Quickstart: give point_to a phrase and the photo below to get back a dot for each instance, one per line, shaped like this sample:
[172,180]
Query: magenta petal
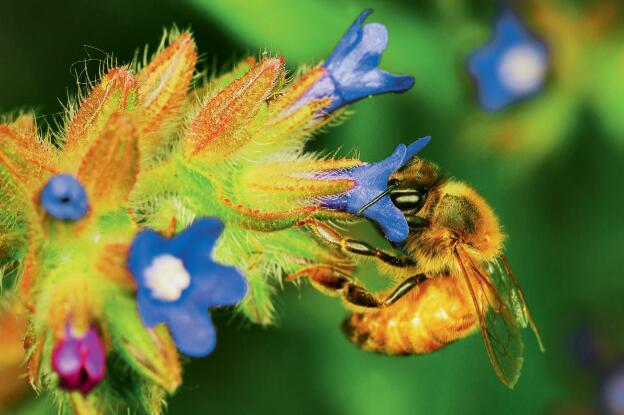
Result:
[80,362]
[66,362]
[94,360]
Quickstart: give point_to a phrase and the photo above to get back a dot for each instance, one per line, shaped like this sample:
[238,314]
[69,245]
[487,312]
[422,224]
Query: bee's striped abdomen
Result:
[437,312]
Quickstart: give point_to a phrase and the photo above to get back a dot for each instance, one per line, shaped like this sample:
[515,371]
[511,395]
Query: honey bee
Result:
[451,278]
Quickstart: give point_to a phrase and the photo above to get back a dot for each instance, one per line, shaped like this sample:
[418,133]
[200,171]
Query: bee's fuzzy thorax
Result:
[480,229]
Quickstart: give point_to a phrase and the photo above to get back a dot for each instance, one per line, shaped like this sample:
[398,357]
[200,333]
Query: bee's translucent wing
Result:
[499,324]
[509,290]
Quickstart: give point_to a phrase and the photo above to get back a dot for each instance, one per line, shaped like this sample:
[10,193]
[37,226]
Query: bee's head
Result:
[409,189]
[442,212]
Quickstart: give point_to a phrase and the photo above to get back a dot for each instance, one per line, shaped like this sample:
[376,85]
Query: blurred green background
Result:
[552,167]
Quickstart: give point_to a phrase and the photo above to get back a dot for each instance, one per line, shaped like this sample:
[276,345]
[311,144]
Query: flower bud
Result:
[80,361]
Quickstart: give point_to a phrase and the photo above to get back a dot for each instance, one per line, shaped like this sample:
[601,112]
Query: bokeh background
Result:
[552,166]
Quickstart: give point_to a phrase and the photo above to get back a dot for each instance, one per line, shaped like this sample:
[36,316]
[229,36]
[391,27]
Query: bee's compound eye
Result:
[407,199]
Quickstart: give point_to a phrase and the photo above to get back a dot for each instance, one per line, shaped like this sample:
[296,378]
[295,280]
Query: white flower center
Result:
[166,277]
[522,69]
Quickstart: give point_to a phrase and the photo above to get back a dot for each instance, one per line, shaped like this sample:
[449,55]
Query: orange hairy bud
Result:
[163,85]
[220,124]
[110,168]
[24,157]
[13,328]
[216,84]
[116,92]
[295,182]
[298,88]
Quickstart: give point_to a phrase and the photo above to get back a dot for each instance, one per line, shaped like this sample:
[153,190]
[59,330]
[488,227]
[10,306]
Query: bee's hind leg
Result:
[332,281]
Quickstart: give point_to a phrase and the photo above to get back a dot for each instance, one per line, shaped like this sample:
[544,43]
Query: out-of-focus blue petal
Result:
[486,64]
[64,198]
[218,286]
[147,245]
[192,331]
[198,240]
[152,311]
[211,284]
[612,390]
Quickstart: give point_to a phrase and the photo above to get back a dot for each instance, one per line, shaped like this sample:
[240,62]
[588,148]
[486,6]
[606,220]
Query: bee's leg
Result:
[360,296]
[352,246]
[403,288]
[332,281]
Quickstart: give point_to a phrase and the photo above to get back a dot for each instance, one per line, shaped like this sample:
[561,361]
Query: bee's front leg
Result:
[354,247]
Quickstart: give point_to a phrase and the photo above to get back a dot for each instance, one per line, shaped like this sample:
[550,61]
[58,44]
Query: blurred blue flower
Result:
[178,281]
[511,66]
[371,180]
[64,198]
[352,72]
[583,346]
[612,393]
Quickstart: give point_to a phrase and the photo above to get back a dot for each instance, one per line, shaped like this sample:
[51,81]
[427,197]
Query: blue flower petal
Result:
[349,40]
[192,331]
[353,65]
[211,284]
[64,198]
[488,65]
[197,241]
[352,69]
[147,245]
[384,213]
[218,286]
[414,148]
[152,311]
[372,180]
[375,176]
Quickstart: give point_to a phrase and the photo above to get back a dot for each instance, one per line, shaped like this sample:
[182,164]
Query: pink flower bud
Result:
[79,361]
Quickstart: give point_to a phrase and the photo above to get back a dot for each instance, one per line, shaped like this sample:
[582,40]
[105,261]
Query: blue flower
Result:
[178,281]
[612,390]
[371,180]
[511,66]
[351,71]
[64,198]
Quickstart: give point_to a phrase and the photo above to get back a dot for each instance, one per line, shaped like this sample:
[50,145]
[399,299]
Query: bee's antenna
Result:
[377,198]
